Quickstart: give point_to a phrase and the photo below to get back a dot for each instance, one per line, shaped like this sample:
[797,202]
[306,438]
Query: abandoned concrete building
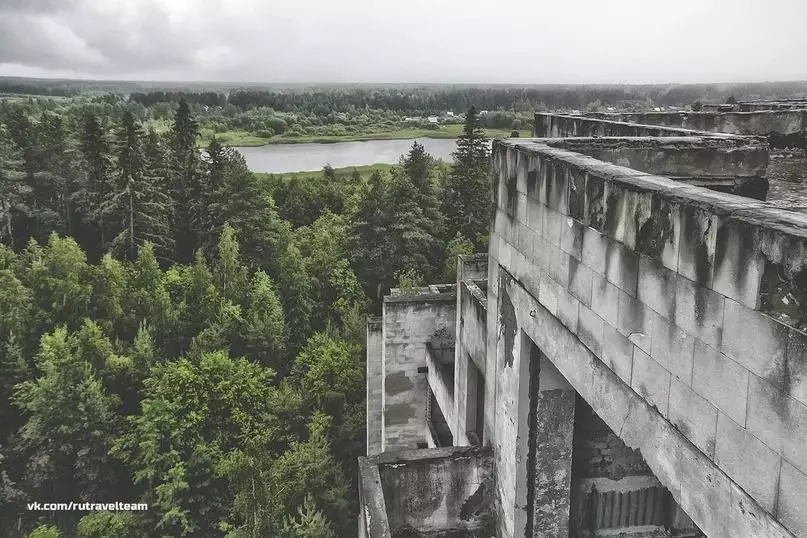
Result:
[628,359]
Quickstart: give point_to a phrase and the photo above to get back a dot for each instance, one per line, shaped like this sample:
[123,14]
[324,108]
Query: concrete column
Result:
[549,455]
[375,384]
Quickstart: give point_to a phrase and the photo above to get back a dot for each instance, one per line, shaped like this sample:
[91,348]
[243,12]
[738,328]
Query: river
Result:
[283,158]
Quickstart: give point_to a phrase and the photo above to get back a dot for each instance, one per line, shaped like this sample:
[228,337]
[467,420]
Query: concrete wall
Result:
[666,308]
[471,347]
[783,127]
[410,323]
[442,385]
[736,164]
[563,126]
[437,489]
[473,267]
[372,520]
[375,383]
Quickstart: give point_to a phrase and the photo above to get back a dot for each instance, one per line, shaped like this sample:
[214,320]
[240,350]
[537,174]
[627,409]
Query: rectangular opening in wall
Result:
[441,434]
[613,488]
[475,403]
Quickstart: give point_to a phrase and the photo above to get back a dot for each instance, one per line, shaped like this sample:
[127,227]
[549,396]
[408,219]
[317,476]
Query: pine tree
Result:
[12,184]
[467,199]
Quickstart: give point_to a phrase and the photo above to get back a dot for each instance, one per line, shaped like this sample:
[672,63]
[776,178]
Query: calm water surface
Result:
[283,158]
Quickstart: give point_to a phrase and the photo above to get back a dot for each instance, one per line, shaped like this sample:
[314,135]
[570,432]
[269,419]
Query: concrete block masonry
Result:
[782,127]
[669,319]
[701,354]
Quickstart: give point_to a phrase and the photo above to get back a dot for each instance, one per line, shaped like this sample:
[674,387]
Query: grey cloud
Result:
[37,6]
[539,41]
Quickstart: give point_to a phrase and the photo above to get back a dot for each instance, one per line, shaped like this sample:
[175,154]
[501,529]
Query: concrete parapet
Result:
[692,349]
[428,492]
[784,124]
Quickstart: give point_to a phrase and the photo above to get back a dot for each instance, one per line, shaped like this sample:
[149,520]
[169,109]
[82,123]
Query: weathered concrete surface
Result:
[727,163]
[723,254]
[779,104]
[373,521]
[736,165]
[613,489]
[411,322]
[437,489]
[684,157]
[441,382]
[471,347]
[787,127]
[375,383]
[549,459]
[472,267]
[565,126]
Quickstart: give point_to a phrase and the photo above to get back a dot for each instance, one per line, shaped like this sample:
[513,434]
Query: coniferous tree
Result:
[186,184]
[216,165]
[12,184]
[467,198]
[372,252]
[416,221]
[55,183]
[138,203]
[97,179]
[160,203]
[128,180]
[241,203]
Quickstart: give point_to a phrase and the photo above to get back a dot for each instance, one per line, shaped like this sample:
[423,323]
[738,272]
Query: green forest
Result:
[254,115]
[179,331]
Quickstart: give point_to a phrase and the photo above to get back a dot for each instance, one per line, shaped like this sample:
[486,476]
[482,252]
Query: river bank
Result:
[246,139]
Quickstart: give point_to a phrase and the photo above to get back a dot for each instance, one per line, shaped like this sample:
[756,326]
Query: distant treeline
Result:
[28,89]
[436,99]
[423,99]
[197,98]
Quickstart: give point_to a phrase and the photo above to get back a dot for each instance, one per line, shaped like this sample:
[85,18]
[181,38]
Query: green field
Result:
[365,171]
[243,138]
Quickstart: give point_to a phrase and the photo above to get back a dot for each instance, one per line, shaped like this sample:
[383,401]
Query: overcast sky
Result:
[484,41]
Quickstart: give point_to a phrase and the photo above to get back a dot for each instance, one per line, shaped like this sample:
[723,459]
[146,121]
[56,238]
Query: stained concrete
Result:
[429,492]
[784,127]
[411,323]
[659,409]
[672,311]
[375,384]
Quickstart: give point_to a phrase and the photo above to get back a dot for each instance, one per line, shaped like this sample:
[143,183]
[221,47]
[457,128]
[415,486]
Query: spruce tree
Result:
[96,183]
[216,163]
[161,207]
[416,222]
[467,198]
[184,171]
[55,182]
[137,202]
[372,252]
[12,184]
[240,202]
